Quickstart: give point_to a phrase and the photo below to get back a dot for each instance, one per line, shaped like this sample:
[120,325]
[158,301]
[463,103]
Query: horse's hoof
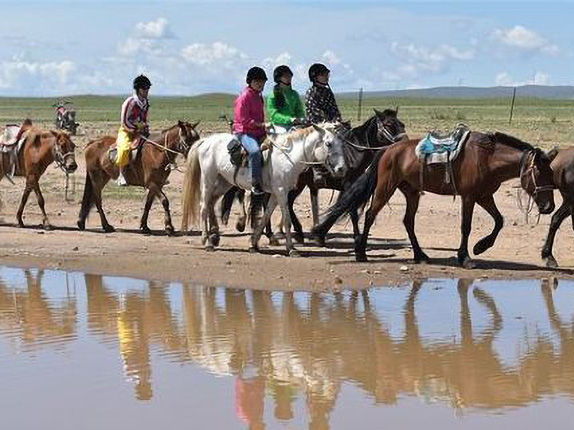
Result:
[48,227]
[422,259]
[240,226]
[170,231]
[209,248]
[361,258]
[280,235]
[273,241]
[253,249]
[81,225]
[214,239]
[294,253]
[109,229]
[21,224]
[481,246]
[145,230]
[468,263]
[299,238]
[551,263]
[319,240]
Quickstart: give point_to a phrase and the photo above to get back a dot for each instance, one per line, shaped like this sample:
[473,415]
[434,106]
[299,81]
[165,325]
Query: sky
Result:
[54,48]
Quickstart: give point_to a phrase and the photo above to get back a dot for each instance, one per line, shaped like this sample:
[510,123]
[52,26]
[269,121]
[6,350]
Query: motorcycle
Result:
[65,117]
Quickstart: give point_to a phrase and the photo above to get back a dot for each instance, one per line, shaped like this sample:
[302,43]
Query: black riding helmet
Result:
[141,82]
[281,71]
[255,74]
[316,70]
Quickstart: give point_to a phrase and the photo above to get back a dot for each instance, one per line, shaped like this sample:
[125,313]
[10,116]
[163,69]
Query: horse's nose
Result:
[339,170]
[72,167]
[547,208]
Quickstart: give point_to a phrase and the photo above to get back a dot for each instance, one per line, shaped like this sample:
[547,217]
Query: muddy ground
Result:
[127,252]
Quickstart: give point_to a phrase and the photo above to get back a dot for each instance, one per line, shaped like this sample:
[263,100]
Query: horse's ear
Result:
[180,123]
[553,153]
[321,130]
[397,109]
[378,113]
[195,124]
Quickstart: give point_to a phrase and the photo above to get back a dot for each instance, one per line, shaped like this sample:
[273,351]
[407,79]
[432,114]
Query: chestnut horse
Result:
[149,170]
[563,168]
[40,149]
[485,162]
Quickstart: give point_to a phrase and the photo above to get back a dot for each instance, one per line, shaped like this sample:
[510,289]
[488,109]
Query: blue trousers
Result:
[252,147]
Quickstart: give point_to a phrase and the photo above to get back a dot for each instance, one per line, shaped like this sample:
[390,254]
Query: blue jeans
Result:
[252,147]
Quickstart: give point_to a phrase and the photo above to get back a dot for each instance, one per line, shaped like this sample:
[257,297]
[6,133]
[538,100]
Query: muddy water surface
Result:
[82,351]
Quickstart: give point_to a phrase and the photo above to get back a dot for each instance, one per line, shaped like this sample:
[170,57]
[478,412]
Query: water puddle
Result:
[93,352]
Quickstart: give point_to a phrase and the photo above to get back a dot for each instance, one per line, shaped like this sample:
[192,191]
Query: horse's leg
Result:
[151,195]
[488,204]
[25,194]
[167,215]
[286,216]
[214,234]
[273,240]
[41,204]
[559,216]
[413,198]
[226,204]
[297,227]
[465,227]
[382,195]
[98,186]
[242,220]
[271,204]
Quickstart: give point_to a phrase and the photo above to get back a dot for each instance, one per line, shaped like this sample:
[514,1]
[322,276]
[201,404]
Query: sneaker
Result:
[257,190]
[122,181]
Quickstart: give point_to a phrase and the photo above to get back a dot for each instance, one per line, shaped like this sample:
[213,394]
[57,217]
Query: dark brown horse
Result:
[150,170]
[485,162]
[563,168]
[40,149]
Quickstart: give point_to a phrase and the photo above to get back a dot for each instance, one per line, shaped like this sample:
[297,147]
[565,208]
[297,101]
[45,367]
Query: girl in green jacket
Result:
[284,106]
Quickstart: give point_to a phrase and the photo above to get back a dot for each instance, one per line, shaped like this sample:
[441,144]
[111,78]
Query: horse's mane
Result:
[512,141]
[300,134]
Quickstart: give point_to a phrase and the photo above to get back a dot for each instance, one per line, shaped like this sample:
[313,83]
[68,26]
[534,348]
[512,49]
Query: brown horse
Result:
[40,149]
[563,168]
[150,170]
[485,162]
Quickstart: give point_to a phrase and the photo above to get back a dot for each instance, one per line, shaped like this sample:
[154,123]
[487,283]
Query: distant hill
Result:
[526,91]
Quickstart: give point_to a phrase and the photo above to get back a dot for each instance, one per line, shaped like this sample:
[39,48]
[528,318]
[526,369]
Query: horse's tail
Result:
[191,190]
[87,201]
[353,198]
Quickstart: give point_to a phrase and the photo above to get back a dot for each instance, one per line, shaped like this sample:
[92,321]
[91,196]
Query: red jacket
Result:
[249,110]
[134,111]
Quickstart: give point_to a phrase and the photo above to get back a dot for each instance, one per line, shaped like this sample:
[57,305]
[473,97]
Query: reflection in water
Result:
[287,346]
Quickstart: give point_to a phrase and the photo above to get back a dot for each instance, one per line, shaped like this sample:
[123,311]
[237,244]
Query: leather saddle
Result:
[238,155]
[442,148]
[135,150]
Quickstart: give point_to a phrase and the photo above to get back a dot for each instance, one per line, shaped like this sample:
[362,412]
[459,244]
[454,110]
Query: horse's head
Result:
[188,135]
[64,151]
[329,148]
[390,128]
[536,178]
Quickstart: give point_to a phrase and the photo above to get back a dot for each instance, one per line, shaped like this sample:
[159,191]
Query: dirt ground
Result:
[127,252]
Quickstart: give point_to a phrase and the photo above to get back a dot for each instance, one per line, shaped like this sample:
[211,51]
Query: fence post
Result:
[512,106]
[360,105]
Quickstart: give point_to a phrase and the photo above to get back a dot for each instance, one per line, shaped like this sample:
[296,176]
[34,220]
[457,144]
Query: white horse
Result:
[210,174]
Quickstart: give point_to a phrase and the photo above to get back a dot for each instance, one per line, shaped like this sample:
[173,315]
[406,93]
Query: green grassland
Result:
[546,122]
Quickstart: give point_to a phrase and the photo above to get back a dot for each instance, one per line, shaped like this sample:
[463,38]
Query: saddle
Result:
[238,155]
[135,150]
[11,143]
[442,148]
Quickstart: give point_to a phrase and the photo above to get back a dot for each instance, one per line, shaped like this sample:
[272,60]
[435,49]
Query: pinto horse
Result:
[149,170]
[210,174]
[40,148]
[485,162]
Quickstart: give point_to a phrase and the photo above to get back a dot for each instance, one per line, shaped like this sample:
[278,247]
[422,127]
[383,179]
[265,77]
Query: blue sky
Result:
[82,46]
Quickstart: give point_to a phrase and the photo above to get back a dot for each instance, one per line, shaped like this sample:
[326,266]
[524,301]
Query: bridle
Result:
[382,129]
[60,157]
[530,170]
[182,145]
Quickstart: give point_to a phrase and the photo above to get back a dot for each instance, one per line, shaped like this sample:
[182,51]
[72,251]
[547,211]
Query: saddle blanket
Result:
[433,149]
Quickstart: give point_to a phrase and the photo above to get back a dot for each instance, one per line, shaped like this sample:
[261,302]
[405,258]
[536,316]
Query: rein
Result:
[168,150]
[526,210]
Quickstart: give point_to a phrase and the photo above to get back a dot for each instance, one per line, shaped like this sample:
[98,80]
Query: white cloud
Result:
[214,55]
[158,29]
[417,60]
[522,38]
[507,80]
[35,77]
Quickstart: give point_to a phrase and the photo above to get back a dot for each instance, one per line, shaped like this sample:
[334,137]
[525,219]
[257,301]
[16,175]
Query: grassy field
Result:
[540,121]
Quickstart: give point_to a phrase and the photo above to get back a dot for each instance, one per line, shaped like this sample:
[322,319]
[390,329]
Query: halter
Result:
[182,143]
[530,170]
[60,157]
[388,135]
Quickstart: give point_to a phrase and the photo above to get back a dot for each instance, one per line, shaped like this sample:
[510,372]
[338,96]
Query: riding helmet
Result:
[281,71]
[141,82]
[316,70]
[255,74]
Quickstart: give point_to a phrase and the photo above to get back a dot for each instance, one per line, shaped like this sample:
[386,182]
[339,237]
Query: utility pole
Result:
[360,105]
